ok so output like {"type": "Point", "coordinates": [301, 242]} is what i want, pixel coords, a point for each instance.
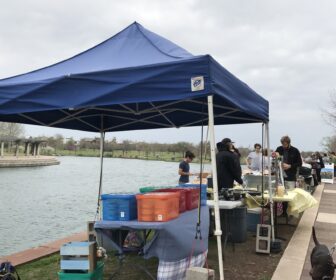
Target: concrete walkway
{"type": "Point", "coordinates": [42, 251]}
{"type": "Point", "coordinates": [295, 262]}
{"type": "Point", "coordinates": [325, 226]}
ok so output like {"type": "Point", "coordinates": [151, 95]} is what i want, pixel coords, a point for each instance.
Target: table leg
{"type": "Point", "coordinates": [275, 211]}
{"type": "Point", "coordinates": [276, 224]}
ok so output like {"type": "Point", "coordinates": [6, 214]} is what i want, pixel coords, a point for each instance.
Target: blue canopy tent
{"type": "Point", "coordinates": [135, 80]}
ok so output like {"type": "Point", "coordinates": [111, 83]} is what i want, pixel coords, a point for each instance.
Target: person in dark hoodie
{"type": "Point", "coordinates": [228, 165]}
{"type": "Point", "coordinates": [291, 161]}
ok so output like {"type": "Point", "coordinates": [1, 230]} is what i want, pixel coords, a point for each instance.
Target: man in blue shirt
{"type": "Point", "coordinates": [184, 168]}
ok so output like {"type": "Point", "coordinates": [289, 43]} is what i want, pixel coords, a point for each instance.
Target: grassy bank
{"type": "Point", "coordinates": [240, 263]}
{"type": "Point", "coordinates": [162, 156]}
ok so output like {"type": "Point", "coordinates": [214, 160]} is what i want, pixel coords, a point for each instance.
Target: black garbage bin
{"type": "Point", "coordinates": [234, 224]}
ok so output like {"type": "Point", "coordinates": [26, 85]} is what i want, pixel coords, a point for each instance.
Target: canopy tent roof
{"type": "Point", "coordinates": [134, 80]}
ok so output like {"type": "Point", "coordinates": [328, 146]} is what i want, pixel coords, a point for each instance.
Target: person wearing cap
{"type": "Point", "coordinates": [254, 159]}
{"type": "Point", "coordinates": [291, 161]}
{"type": "Point", "coordinates": [228, 165]}
{"type": "Point", "coordinates": [184, 168]}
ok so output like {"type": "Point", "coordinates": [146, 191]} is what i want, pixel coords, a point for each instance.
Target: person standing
{"type": "Point", "coordinates": [228, 166]}
{"type": "Point", "coordinates": [291, 161]}
{"type": "Point", "coordinates": [333, 161]}
{"type": "Point", "coordinates": [320, 165]}
{"type": "Point", "coordinates": [325, 158]}
{"type": "Point", "coordinates": [312, 160]}
{"type": "Point", "coordinates": [184, 168]}
{"type": "Point", "coordinates": [254, 158]}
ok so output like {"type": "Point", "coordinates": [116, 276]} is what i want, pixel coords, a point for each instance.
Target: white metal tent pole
{"type": "Point", "coordinates": [270, 178]}
{"type": "Point", "coordinates": [102, 139]}
{"type": "Point", "coordinates": [218, 231]}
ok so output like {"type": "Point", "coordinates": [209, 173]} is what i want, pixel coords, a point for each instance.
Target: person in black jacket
{"type": "Point", "coordinates": [228, 165]}
{"type": "Point", "coordinates": [320, 165]}
{"type": "Point", "coordinates": [291, 160]}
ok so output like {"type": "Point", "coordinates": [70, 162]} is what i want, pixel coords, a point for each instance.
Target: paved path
{"type": "Point", "coordinates": [42, 251]}
{"type": "Point", "coordinates": [325, 225]}
{"type": "Point", "coordinates": [295, 262]}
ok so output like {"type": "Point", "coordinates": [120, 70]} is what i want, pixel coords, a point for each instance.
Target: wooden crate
{"type": "Point", "coordinates": [78, 256]}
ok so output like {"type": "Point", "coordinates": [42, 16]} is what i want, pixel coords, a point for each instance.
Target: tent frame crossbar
{"type": "Point", "coordinates": [80, 120]}
{"type": "Point", "coordinates": [69, 116]}
{"type": "Point", "coordinates": [159, 110]}
{"type": "Point", "coordinates": [32, 119]}
{"type": "Point", "coordinates": [163, 115]}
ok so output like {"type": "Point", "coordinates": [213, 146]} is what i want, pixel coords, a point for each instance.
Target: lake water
{"type": "Point", "coordinates": [43, 204]}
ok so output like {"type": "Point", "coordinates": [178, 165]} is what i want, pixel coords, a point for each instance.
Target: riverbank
{"type": "Point", "coordinates": [142, 155]}
{"type": "Point", "coordinates": [27, 161]}
{"type": "Point", "coordinates": [43, 251]}
{"type": "Point", "coordinates": [155, 156]}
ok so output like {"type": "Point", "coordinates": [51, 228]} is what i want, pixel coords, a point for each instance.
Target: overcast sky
{"type": "Point", "coordinates": [284, 50]}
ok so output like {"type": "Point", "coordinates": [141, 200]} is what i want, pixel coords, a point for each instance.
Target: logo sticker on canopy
{"type": "Point", "coordinates": [197, 83]}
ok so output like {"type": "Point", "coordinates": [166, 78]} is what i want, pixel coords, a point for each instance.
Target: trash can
{"type": "Point", "coordinates": [233, 224]}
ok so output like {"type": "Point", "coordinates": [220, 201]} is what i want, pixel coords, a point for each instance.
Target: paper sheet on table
{"type": "Point", "coordinates": [302, 201]}
{"type": "Point", "coordinates": [298, 201]}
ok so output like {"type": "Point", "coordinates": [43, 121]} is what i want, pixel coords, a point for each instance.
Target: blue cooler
{"type": "Point", "coordinates": [253, 218]}
{"type": "Point", "coordinates": [203, 191]}
{"type": "Point", "coordinates": [119, 207]}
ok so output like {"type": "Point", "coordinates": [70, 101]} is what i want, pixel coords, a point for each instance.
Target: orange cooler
{"type": "Point", "coordinates": [158, 206]}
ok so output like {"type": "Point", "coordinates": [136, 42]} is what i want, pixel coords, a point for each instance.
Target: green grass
{"type": "Point", "coordinates": [45, 268]}
{"type": "Point", "coordinates": [48, 267]}
{"type": "Point", "coordinates": [243, 261]}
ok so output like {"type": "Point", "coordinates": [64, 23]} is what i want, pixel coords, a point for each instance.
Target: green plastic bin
{"type": "Point", "coordinates": [150, 189]}
{"type": "Point", "coordinates": [97, 274]}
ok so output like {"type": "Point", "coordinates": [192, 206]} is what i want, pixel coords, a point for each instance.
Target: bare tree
{"type": "Point", "coordinates": [329, 143]}
{"type": "Point", "coordinates": [330, 114]}
{"type": "Point", "coordinates": [11, 129]}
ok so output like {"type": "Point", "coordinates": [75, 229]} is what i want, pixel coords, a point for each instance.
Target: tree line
{"type": "Point", "coordinates": [57, 143]}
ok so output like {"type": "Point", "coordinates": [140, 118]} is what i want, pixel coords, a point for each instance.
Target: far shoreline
{"type": "Point", "coordinates": [27, 161]}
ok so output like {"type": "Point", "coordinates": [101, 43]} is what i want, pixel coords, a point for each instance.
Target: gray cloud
{"type": "Point", "coordinates": [283, 49]}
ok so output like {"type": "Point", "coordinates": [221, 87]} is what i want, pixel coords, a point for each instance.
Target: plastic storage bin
{"type": "Point", "coordinates": [183, 197]}
{"type": "Point", "coordinates": [158, 206]}
{"type": "Point", "coordinates": [153, 188]}
{"type": "Point", "coordinates": [119, 207]}
{"type": "Point", "coordinates": [203, 190]}
{"type": "Point", "coordinates": [192, 198]}
{"type": "Point", "coordinates": [255, 181]}
{"type": "Point", "coordinates": [253, 218]}
{"type": "Point", "coordinates": [97, 274]}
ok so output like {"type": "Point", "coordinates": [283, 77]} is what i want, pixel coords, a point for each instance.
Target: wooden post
{"type": "Point", "coordinates": [34, 149]}
{"type": "Point", "coordinates": [28, 149]}
{"type": "Point", "coordinates": [2, 149]}
{"type": "Point", "coordinates": [38, 149]}
{"type": "Point", "coordinates": [17, 149]}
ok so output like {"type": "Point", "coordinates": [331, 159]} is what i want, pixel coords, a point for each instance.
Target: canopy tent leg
{"type": "Point", "coordinates": [270, 178]}
{"type": "Point", "coordinates": [218, 231]}
{"type": "Point", "coordinates": [102, 140]}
